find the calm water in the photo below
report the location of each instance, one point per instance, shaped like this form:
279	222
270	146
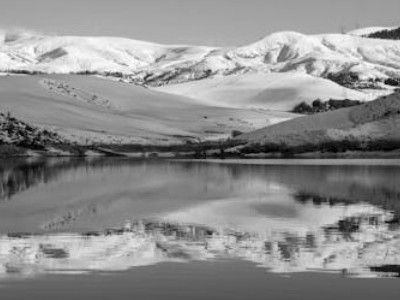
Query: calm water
125	229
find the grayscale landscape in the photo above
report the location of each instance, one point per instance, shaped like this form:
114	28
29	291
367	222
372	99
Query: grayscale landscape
199	149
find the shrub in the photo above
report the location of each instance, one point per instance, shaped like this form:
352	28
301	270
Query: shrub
323	106
302	108
236	133
392	81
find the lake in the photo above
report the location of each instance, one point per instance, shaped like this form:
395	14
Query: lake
258	229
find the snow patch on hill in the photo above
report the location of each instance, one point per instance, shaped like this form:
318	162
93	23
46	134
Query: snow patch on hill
273	91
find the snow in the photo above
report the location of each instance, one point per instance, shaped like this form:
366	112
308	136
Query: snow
72	54
162	64
220	89
273	91
321	54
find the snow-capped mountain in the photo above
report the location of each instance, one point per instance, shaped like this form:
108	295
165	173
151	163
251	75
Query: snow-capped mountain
154	64
359	253
224	89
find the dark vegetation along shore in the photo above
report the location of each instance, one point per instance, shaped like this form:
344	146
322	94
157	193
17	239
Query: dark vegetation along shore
342	148
18	138
224	149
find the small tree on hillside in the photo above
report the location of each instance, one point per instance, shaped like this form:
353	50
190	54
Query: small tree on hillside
236	133
302	108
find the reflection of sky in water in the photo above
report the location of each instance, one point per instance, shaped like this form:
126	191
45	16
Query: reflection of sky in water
266	215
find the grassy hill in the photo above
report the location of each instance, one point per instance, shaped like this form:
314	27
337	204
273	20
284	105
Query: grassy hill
375	124
88	109
273	91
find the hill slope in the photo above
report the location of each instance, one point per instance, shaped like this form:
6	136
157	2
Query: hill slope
219	89
17	136
154	64
87	109
376	120
275	91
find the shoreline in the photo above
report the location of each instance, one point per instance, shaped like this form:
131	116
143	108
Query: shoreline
246	159
305	162
183	152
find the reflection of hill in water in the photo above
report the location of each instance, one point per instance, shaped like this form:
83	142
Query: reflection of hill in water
319	200
362	245
377	185
283	218
19	175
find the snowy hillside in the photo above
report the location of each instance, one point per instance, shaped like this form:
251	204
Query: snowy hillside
273	91
193	92
153	64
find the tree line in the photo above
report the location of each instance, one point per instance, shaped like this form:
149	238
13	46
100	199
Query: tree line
318	106
388	34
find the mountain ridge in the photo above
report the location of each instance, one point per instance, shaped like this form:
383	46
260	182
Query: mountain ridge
186	93
156	65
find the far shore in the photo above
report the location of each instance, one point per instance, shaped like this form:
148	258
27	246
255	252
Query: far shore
300	161
153	152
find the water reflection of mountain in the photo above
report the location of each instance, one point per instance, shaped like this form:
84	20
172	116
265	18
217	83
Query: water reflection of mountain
374	184
369	249
56	194
353	224
284	218
377	185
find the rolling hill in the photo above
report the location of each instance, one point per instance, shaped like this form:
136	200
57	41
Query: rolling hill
373	121
179	93
274	91
87	109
